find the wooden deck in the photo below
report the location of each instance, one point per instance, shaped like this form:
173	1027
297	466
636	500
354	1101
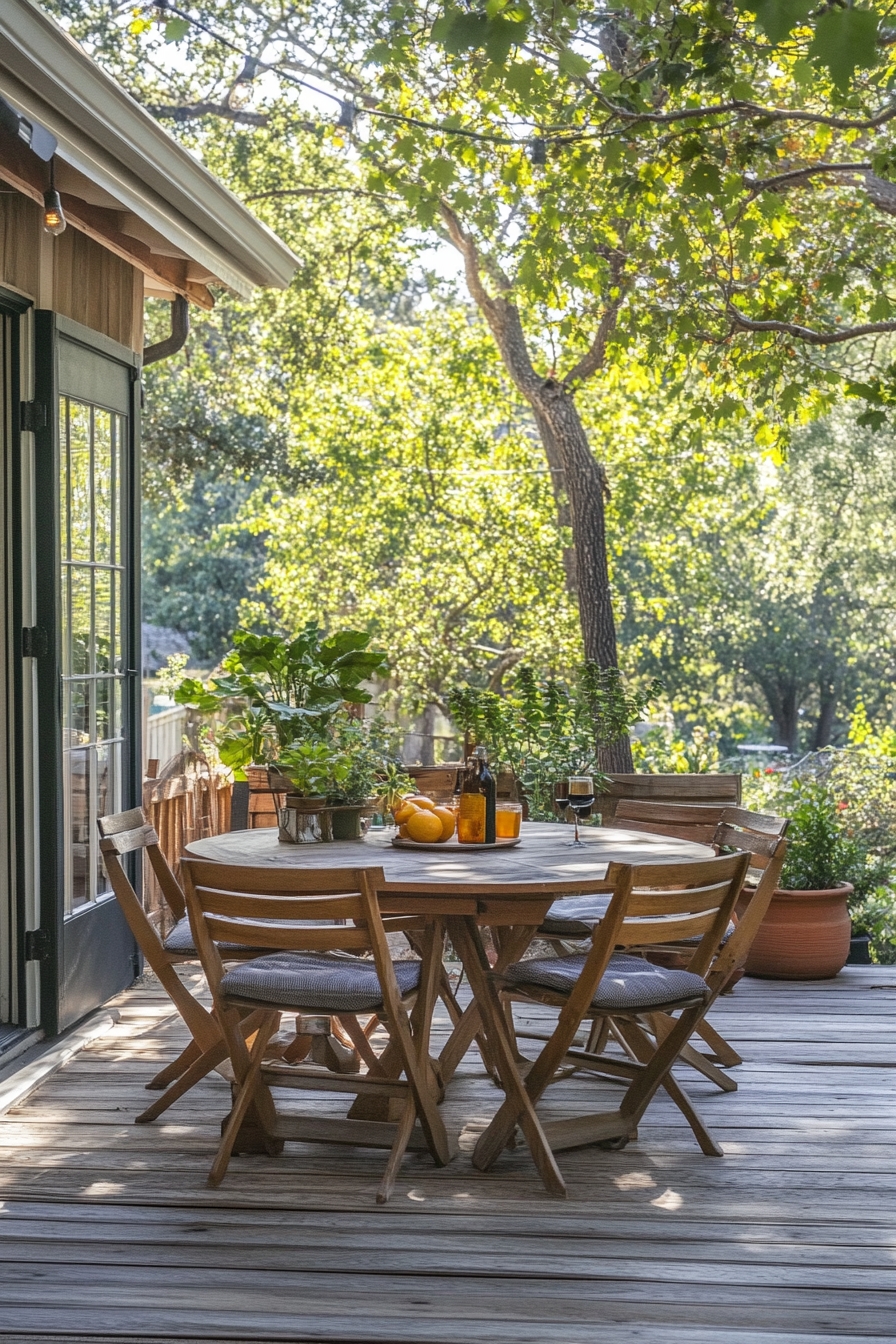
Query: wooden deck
107	1230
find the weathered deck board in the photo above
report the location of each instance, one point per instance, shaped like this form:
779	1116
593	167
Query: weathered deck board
108	1231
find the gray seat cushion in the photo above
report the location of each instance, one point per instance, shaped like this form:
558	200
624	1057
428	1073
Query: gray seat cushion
575	916
180	941
629	983
331	982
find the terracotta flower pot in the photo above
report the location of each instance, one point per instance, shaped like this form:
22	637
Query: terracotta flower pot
804	936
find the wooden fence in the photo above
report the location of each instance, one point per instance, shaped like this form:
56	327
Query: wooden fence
187	800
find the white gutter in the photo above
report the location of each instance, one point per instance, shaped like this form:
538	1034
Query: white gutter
106	135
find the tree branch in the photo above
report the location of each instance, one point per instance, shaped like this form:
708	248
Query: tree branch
798	175
500	313
193	111
593	359
806	333
881	193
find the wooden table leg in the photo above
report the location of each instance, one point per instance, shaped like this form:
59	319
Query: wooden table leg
514	943
464	935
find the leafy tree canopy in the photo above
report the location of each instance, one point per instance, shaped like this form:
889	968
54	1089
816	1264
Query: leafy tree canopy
701	174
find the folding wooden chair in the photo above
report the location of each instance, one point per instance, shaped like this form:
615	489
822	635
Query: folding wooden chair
313	973
652	903
129	833
759	834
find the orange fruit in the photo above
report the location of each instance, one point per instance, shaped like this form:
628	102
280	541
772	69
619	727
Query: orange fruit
407	809
424	827
446	816
421	800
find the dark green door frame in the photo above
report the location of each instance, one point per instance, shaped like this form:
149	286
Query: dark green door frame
90	954
12	306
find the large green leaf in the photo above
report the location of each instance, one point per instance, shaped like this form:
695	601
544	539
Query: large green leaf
778	18
845	41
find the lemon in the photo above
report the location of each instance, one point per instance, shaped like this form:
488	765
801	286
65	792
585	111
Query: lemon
406	810
446	816
421	800
424	827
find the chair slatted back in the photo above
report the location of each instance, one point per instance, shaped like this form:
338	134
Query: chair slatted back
290	910
763	837
125	833
685	821
720	790
671	902
757	832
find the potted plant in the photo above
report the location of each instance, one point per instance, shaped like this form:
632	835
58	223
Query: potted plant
276	691
805	934
369	753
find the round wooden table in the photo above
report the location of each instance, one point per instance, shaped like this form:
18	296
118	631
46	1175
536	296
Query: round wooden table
510	889
543	856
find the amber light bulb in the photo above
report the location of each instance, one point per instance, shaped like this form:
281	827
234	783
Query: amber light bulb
54	219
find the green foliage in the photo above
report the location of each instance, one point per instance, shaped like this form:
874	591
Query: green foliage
314	768
284	690
371	747
545	728
659	751
432	520
820	852
844	806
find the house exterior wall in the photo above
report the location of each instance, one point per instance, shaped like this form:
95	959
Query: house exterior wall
72	274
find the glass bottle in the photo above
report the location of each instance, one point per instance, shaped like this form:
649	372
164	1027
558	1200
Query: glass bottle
471	808
488	787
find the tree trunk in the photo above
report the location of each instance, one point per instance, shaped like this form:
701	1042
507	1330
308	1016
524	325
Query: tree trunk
787	723
427	728
572	464
565	442
824	724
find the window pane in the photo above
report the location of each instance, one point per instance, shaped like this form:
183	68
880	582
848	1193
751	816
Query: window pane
81	642
64	532
79	777
107	799
79	722
118	432
102	580
65	621
103	708
102	486
80	481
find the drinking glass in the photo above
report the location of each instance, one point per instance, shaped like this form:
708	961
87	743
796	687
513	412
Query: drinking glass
581	799
507	820
561	797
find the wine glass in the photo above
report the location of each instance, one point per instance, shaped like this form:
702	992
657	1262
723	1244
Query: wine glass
561	797
581	799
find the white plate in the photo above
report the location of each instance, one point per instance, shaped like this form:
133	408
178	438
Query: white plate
453	843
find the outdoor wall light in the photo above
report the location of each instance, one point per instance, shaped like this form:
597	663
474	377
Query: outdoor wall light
54	219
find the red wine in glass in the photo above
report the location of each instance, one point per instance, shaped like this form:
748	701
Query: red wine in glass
581	798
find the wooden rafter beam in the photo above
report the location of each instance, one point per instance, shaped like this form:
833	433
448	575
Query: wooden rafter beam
21	168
